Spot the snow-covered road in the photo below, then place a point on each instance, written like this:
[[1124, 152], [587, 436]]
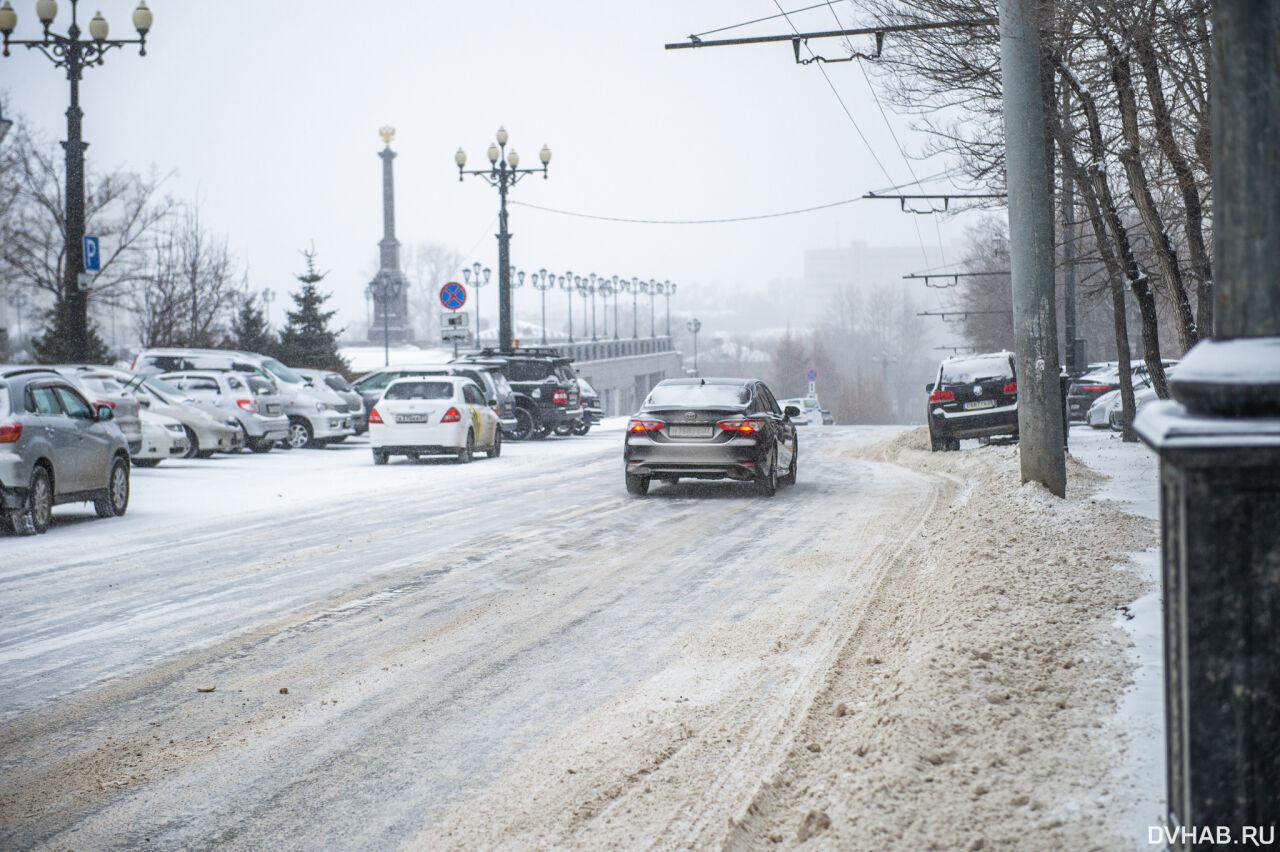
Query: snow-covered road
[[384, 641]]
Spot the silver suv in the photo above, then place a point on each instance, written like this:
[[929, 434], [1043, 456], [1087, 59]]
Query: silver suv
[[56, 448], [249, 398]]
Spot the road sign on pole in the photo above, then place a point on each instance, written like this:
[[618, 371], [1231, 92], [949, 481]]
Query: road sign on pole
[[811, 375], [453, 295], [454, 320], [92, 260]]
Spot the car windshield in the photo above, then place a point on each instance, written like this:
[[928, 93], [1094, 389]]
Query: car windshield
[[698, 396], [282, 372], [527, 371], [162, 389], [337, 383], [584, 387], [961, 371], [420, 390]]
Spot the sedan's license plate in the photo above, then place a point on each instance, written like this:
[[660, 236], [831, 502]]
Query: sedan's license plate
[[982, 403], [689, 431], [411, 418]]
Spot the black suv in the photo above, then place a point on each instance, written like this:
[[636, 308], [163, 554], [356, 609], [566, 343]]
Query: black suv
[[545, 386], [974, 396]]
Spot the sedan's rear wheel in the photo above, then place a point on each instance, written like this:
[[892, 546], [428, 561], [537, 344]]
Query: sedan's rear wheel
[[146, 462], [114, 503], [379, 457], [495, 449], [767, 481], [467, 453], [564, 429], [637, 485]]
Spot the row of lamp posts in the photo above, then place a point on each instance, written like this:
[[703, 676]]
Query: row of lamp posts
[[587, 287]]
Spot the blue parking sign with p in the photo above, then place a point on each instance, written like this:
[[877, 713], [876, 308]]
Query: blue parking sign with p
[[92, 260]]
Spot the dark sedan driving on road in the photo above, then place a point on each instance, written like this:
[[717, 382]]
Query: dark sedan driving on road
[[711, 429]]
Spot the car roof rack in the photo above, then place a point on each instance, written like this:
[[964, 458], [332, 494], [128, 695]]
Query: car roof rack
[[530, 351]]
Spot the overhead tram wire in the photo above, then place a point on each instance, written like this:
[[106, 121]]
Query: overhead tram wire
[[757, 20], [893, 135], [919, 236], [685, 221]]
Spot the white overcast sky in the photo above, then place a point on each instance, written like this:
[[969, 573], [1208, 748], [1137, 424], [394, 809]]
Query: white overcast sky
[[269, 113]]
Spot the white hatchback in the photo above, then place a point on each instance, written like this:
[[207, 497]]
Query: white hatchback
[[433, 415]]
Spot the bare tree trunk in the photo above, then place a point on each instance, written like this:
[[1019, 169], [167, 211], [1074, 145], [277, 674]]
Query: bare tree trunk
[[1115, 277], [1163, 121], [1140, 190], [1111, 217]]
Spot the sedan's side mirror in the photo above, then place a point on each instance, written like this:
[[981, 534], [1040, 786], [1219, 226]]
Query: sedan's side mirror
[[493, 403], [143, 402], [791, 411], [105, 413], [928, 388]]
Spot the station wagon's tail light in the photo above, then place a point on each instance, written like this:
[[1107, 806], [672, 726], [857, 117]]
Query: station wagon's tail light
[[10, 432], [560, 397], [451, 416], [742, 425], [374, 416], [1011, 388], [1094, 388], [248, 404], [637, 424], [941, 396]]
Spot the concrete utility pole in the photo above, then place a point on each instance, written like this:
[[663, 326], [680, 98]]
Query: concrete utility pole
[[1030, 181]]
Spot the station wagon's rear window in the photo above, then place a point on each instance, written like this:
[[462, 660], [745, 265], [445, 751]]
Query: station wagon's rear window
[[698, 396], [420, 390]]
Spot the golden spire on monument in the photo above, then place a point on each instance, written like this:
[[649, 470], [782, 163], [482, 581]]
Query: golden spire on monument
[[387, 133]]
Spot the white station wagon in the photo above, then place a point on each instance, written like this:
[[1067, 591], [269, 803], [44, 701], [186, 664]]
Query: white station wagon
[[433, 415]]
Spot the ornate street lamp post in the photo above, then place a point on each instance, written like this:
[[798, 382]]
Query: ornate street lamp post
[[694, 325], [566, 284], [74, 54], [543, 283], [653, 289], [633, 287], [477, 277], [607, 289], [268, 296], [618, 287], [667, 290], [385, 289], [503, 173]]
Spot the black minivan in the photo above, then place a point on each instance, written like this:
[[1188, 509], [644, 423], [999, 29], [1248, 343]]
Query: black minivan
[[973, 396]]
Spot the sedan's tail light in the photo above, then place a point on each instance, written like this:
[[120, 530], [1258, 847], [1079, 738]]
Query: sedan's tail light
[[374, 416], [451, 416], [10, 432], [638, 424], [560, 397], [941, 396], [1011, 388], [248, 404], [742, 425], [1094, 388]]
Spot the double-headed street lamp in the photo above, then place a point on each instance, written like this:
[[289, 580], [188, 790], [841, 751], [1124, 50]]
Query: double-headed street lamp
[[503, 172], [474, 276], [543, 282], [667, 290], [385, 289], [566, 283], [74, 53], [585, 286], [634, 287], [694, 325], [653, 289]]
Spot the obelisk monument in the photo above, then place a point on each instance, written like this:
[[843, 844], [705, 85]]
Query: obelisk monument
[[389, 288]]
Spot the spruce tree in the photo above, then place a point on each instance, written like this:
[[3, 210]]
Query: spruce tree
[[249, 330], [55, 348], [306, 340]]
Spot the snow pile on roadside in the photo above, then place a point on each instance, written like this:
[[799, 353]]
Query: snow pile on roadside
[[973, 714]]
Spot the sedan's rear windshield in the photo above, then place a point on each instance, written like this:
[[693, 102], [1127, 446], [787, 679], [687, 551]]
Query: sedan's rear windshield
[[527, 371], [963, 370], [257, 384], [698, 396], [420, 390]]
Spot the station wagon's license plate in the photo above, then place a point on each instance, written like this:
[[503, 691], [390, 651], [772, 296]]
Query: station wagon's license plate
[[982, 403], [411, 418], [689, 431]]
